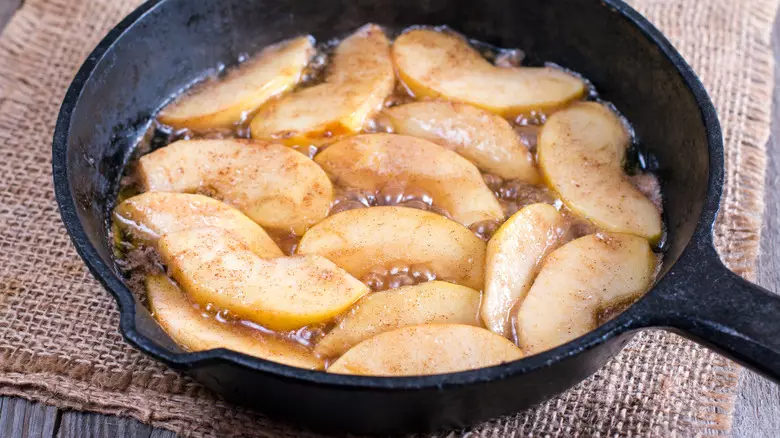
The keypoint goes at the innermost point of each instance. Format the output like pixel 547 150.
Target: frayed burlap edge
pixel 738 235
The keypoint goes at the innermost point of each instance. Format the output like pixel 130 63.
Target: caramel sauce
pixel 137 261
pixel 398 275
pixel 393 194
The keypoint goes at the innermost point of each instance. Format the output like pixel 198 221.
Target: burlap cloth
pixel 59 341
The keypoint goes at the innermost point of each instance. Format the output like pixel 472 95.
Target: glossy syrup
pixel 137 261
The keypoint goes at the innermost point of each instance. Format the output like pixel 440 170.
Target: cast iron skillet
pixel 166 44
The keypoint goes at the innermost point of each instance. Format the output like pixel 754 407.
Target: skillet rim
pixel 625 322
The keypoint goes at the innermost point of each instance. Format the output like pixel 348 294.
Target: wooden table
pixel 758 406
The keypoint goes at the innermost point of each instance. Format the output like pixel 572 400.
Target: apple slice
pixel 438 64
pixel 372 161
pixel 225 102
pixel 581 153
pixel 359 79
pixel 426 349
pixel 190 329
pixel 285 293
pixel 274 185
pixel 432 302
pixel 577 281
pixel 513 257
pixel 363 239
pixel 482 137
pixel 149 215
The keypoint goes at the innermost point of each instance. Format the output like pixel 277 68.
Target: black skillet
pixel 166 44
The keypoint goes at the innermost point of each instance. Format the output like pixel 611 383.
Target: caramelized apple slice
pixel 581 153
pixel 224 103
pixel 432 302
pixel 426 349
pixel 482 137
pixel 359 240
pixel 274 185
pixel 513 257
pixel 371 161
pixel 437 64
pixel 360 78
pixel 577 281
pixel 190 329
pixel 282 294
pixel 149 215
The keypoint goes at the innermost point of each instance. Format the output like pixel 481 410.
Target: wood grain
pixel 7 9
pixel 84 424
pixel 161 433
pixel 21 418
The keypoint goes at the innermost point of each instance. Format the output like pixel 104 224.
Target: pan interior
pixel 176 41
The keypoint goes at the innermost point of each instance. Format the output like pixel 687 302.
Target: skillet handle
pixel 703 300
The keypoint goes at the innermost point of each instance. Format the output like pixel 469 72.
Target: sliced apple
pixel 372 161
pixel 438 64
pixel 190 329
pixel 284 293
pixel 426 349
pixel 149 215
pixel 363 239
pixel 432 302
pixel 359 79
pixel 274 185
pixel 513 257
pixel 581 153
pixel 225 102
pixel 577 281
pixel 482 137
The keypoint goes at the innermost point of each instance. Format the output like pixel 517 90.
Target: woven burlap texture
pixel 59 341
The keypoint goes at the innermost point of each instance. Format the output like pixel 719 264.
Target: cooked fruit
pixel 484 138
pixel 224 103
pixel 426 349
pixel 372 161
pixel 581 153
pixel 513 257
pixel 149 215
pixel 284 293
pixel 359 79
pixel 363 239
pixel 274 185
pixel 188 327
pixel 438 64
pixel 432 302
pixel 579 280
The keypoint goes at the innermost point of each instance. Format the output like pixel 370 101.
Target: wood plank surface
pixel 757 412
pixel 22 418
pixel 85 424
pixel 7 9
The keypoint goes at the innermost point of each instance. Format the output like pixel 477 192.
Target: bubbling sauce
pixel 392 194
pixel 138 261
pixel 397 275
